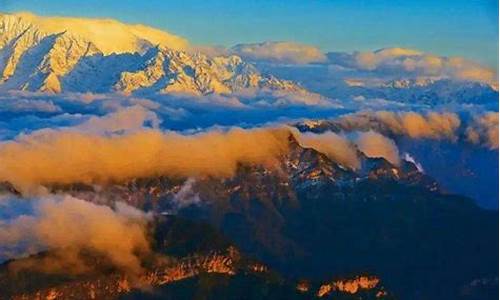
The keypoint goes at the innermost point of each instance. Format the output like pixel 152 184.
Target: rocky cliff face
pixel 350 286
pixel 114 285
pixel 34 60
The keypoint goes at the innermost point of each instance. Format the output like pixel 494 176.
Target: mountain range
pixel 65 55
pixel 68 55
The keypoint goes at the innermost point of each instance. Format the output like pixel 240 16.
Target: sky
pixel 467 28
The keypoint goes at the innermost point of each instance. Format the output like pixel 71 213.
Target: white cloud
pixel 281 52
pixel 372 60
pixel 126 119
pixel 416 63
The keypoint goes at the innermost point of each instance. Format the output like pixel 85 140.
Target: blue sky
pixel 466 28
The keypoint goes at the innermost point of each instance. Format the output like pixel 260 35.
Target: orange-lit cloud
pixel 373 144
pixel 484 130
pixel 71 156
pixel 336 147
pixel 432 125
pixel 69 225
pixel 88 153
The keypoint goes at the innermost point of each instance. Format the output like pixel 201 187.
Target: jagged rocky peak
pixel 300 170
pixel 66 55
pixel 307 164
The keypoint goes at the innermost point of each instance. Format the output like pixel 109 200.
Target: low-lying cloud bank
pixel 26 112
pixel 432 125
pixel 69 226
pixel 69 156
pixel 481 129
pixel 128 144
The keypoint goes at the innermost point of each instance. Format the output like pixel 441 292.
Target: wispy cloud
pixel 484 130
pixel 374 144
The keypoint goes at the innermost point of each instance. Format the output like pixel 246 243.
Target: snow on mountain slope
pixel 39 67
pixel 163 70
pixel 168 71
pixel 71 55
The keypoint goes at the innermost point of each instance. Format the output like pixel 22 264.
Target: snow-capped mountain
pixel 431 91
pixel 393 86
pixel 65 55
pixel 164 70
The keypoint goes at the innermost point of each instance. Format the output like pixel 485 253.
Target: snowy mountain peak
pixel 109 36
pixel 100 55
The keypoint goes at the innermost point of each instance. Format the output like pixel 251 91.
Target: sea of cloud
pixel 100 138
